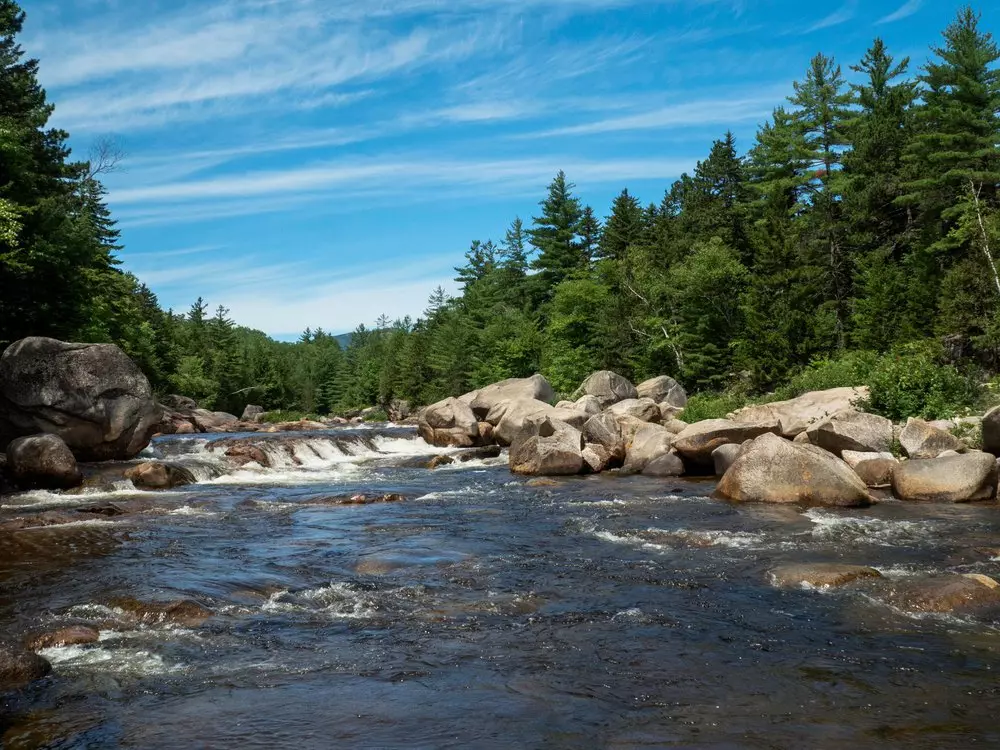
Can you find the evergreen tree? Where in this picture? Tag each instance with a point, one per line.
(555, 235)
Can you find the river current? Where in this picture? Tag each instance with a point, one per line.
(484, 610)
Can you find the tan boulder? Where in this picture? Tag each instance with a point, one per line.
(725, 456)
(156, 475)
(774, 470)
(668, 464)
(921, 439)
(547, 448)
(676, 426)
(641, 408)
(851, 430)
(596, 458)
(450, 422)
(663, 390)
(509, 417)
(650, 442)
(605, 430)
(697, 441)
(609, 388)
(949, 479)
(950, 594)
(534, 388)
(798, 414)
(820, 575)
(876, 472)
(589, 404)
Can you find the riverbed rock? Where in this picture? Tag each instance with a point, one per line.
(158, 475)
(796, 415)
(245, 453)
(447, 423)
(669, 464)
(589, 404)
(850, 430)
(91, 395)
(644, 409)
(608, 387)
(604, 429)
(547, 448)
(950, 594)
(440, 461)
(948, 479)
(42, 461)
(876, 472)
(20, 667)
(184, 612)
(697, 441)
(774, 470)
(663, 390)
(649, 443)
(75, 635)
(509, 417)
(820, 575)
(213, 421)
(725, 456)
(921, 439)
(596, 458)
(676, 426)
(535, 388)
(252, 413)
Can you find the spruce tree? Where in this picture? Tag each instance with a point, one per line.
(555, 236)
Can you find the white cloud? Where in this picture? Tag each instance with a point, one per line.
(904, 11)
(842, 15)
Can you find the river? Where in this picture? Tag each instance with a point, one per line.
(484, 610)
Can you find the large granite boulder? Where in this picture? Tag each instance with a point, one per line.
(697, 441)
(448, 423)
(534, 388)
(644, 409)
(921, 439)
(589, 404)
(605, 430)
(663, 390)
(969, 594)
(509, 417)
(547, 447)
(42, 461)
(213, 421)
(648, 444)
(156, 475)
(609, 387)
(725, 456)
(91, 395)
(774, 470)
(798, 414)
(949, 479)
(850, 430)
(252, 413)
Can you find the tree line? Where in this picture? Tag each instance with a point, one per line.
(864, 217)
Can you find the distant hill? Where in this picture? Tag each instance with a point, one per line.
(344, 340)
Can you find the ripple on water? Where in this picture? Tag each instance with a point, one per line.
(840, 527)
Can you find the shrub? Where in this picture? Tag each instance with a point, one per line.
(712, 406)
(377, 415)
(848, 370)
(272, 417)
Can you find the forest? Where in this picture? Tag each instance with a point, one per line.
(854, 240)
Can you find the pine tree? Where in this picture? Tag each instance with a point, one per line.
(555, 236)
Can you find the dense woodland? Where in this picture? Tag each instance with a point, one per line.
(856, 236)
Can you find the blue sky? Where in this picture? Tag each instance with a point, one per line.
(321, 162)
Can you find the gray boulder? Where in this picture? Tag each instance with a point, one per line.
(449, 423)
(91, 395)
(609, 388)
(697, 441)
(589, 404)
(851, 430)
(649, 443)
(252, 413)
(213, 421)
(949, 479)
(644, 409)
(668, 464)
(547, 448)
(991, 431)
(663, 390)
(605, 430)
(534, 388)
(774, 470)
(725, 456)
(921, 439)
(509, 417)
(43, 461)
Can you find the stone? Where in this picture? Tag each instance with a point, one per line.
(698, 440)
(399, 410)
(668, 464)
(949, 479)
(90, 395)
(440, 461)
(850, 430)
(670, 413)
(535, 388)
(243, 454)
(796, 415)
(252, 413)
(725, 456)
(20, 667)
(644, 409)
(774, 470)
(604, 430)
(547, 448)
(212, 421)
(184, 612)
(650, 442)
(180, 403)
(76, 635)
(609, 388)
(663, 390)
(42, 461)
(185, 428)
(991, 431)
(676, 426)
(509, 417)
(950, 594)
(853, 458)
(157, 475)
(920, 439)
(876, 472)
(589, 404)
(820, 575)
(449, 423)
(596, 457)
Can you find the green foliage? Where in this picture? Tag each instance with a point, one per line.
(845, 371)
(711, 405)
(378, 415)
(284, 415)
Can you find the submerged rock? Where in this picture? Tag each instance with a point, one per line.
(440, 461)
(951, 594)
(157, 475)
(75, 635)
(181, 612)
(949, 479)
(851, 430)
(608, 387)
(42, 461)
(20, 667)
(820, 575)
(920, 439)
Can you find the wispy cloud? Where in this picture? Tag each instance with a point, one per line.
(842, 15)
(906, 10)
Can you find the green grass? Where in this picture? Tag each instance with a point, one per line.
(273, 417)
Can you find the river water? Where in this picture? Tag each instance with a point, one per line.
(483, 610)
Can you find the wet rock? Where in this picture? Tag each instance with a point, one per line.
(486, 431)
(535, 388)
(851, 430)
(667, 464)
(440, 461)
(449, 423)
(185, 428)
(608, 387)
(245, 453)
(359, 499)
(697, 442)
(774, 470)
(547, 448)
(478, 454)
(542, 482)
(76, 635)
(650, 442)
(951, 594)
(796, 415)
(725, 456)
(949, 479)
(39, 520)
(108, 510)
(184, 612)
(43, 461)
(820, 575)
(643, 409)
(876, 472)
(20, 667)
(920, 439)
(252, 413)
(663, 390)
(157, 475)
(605, 430)
(91, 395)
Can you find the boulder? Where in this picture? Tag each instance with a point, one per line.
(820, 575)
(676, 426)
(589, 404)
(650, 442)
(252, 413)
(609, 388)
(535, 388)
(853, 458)
(950, 594)
(644, 409)
(774, 470)
(697, 441)
(991, 431)
(949, 479)
(605, 430)
(91, 395)
(212, 421)
(450, 422)
(663, 390)
(596, 458)
(509, 417)
(179, 403)
(725, 456)
(76, 635)
(43, 461)
(798, 414)
(876, 472)
(20, 667)
(920, 439)
(156, 475)
(547, 447)
(398, 410)
(668, 464)
(850, 430)
(669, 413)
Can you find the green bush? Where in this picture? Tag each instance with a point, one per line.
(378, 415)
(713, 406)
(847, 370)
(273, 417)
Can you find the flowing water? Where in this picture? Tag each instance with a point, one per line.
(484, 610)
